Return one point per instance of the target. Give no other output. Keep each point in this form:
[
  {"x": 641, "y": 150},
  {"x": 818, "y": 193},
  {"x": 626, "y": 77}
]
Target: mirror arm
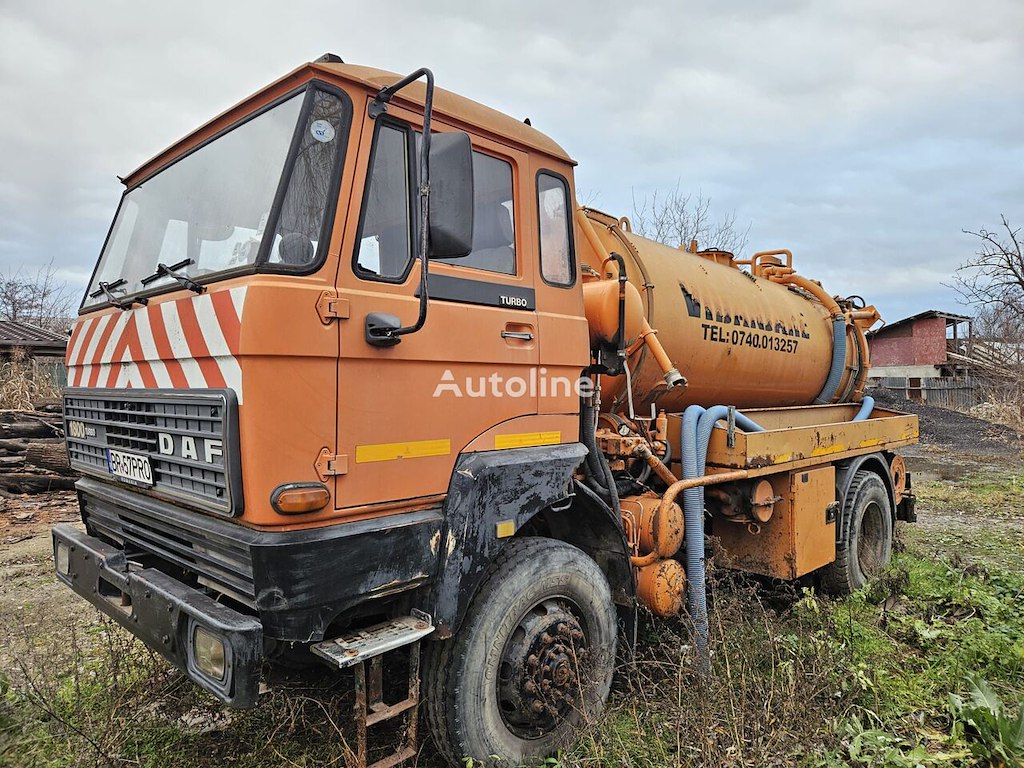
[{"x": 384, "y": 336}]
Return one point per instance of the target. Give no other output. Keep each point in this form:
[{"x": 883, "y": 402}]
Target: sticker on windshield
[{"x": 322, "y": 130}]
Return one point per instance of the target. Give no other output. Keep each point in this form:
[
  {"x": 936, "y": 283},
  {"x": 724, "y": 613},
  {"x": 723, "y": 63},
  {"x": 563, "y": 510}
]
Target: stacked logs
[{"x": 33, "y": 458}]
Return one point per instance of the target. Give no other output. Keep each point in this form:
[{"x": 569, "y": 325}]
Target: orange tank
[{"x": 738, "y": 337}]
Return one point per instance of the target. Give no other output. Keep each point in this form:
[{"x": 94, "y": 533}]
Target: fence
[{"x": 957, "y": 393}]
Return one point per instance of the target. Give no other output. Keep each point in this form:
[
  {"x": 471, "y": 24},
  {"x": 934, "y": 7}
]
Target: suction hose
[
  {"x": 693, "y": 520},
  {"x": 698, "y": 424},
  {"x": 835, "y": 371},
  {"x": 787, "y": 276},
  {"x": 867, "y": 405}
]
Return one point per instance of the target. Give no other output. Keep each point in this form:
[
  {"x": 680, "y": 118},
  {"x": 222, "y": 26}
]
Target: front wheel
[{"x": 532, "y": 662}]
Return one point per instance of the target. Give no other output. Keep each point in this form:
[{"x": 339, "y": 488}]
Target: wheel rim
[
  {"x": 871, "y": 540},
  {"x": 542, "y": 664}
]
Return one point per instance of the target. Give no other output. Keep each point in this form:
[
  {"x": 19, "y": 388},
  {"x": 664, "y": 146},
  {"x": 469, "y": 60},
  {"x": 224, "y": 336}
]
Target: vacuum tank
[{"x": 757, "y": 338}]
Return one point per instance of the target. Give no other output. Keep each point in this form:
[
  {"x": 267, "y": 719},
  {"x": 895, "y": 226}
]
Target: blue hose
[
  {"x": 835, "y": 371},
  {"x": 693, "y": 518},
  {"x": 698, "y": 424},
  {"x": 867, "y": 405},
  {"x": 707, "y": 425}
]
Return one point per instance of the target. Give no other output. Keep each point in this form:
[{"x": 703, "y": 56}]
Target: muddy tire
[
  {"x": 864, "y": 546},
  {"x": 532, "y": 662}
]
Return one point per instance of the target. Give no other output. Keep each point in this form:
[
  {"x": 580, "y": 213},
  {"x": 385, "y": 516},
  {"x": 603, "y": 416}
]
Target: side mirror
[{"x": 451, "y": 195}]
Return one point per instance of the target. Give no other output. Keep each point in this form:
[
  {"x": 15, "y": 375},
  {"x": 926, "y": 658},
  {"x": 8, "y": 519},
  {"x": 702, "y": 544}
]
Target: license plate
[{"x": 130, "y": 466}]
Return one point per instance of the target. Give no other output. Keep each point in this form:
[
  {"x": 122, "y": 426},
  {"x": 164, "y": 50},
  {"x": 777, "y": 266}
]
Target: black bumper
[
  {"x": 164, "y": 613},
  {"x": 296, "y": 582}
]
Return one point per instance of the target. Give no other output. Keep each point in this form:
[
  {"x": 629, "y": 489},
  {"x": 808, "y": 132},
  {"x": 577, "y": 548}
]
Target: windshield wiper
[
  {"x": 107, "y": 290},
  {"x": 162, "y": 270}
]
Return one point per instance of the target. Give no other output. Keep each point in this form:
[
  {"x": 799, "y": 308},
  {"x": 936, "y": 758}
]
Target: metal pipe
[
  {"x": 787, "y": 276},
  {"x": 699, "y": 482},
  {"x": 650, "y": 336},
  {"x": 672, "y": 376},
  {"x": 591, "y": 234},
  {"x": 639, "y": 561},
  {"x": 657, "y": 465}
]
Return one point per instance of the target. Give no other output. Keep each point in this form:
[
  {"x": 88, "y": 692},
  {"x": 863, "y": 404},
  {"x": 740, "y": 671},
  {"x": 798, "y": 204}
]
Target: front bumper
[{"x": 164, "y": 613}]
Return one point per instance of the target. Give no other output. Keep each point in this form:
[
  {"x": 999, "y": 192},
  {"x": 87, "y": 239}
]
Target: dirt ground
[
  {"x": 26, "y": 558},
  {"x": 32, "y": 602}
]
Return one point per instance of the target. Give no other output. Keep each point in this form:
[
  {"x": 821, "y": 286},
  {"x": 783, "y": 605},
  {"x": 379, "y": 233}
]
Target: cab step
[
  {"x": 359, "y": 646},
  {"x": 368, "y": 646}
]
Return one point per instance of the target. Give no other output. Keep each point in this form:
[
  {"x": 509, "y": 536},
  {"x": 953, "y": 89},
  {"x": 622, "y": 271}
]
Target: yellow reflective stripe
[
  {"x": 526, "y": 439},
  {"x": 417, "y": 449}
]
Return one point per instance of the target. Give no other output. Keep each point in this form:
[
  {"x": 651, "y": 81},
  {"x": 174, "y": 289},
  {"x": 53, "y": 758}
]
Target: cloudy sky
[{"x": 863, "y": 134}]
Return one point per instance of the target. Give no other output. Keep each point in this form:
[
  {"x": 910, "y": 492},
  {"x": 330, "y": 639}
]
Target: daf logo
[
  {"x": 514, "y": 301},
  {"x": 188, "y": 447}
]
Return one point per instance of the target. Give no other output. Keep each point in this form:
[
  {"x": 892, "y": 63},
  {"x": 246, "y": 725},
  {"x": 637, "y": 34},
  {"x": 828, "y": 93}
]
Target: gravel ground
[{"x": 953, "y": 431}]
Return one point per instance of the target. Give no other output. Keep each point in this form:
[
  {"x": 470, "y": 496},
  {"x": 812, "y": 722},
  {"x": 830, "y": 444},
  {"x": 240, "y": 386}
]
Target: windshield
[{"x": 209, "y": 212}]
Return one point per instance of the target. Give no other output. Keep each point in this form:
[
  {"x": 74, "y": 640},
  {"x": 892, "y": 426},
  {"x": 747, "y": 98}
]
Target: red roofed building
[{"x": 918, "y": 346}]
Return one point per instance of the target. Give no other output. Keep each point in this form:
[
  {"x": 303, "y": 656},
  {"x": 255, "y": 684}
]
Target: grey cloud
[{"x": 865, "y": 134}]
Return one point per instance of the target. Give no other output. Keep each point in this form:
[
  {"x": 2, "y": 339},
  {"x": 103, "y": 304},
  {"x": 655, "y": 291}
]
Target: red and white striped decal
[{"x": 190, "y": 343}]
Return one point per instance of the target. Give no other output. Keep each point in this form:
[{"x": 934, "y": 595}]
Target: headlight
[
  {"x": 209, "y": 653},
  {"x": 63, "y": 558}
]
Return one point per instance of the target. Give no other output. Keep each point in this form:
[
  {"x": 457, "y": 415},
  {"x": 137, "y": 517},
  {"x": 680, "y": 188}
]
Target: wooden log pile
[{"x": 33, "y": 458}]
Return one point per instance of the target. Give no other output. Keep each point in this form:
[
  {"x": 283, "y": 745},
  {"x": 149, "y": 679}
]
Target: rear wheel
[
  {"x": 864, "y": 547},
  {"x": 532, "y": 662}
]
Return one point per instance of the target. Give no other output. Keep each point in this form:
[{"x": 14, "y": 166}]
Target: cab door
[{"x": 405, "y": 412}]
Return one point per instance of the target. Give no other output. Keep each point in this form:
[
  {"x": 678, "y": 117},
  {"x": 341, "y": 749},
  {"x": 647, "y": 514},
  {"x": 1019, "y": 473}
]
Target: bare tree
[
  {"x": 40, "y": 299},
  {"x": 993, "y": 279},
  {"x": 677, "y": 218},
  {"x": 992, "y": 282}
]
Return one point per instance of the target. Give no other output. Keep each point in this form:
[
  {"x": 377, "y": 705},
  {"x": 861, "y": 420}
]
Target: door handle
[{"x": 521, "y": 335}]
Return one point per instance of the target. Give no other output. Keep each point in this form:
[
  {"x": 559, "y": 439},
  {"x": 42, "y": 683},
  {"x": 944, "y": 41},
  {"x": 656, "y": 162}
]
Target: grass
[
  {"x": 108, "y": 701},
  {"x": 924, "y": 668},
  {"x": 21, "y": 384}
]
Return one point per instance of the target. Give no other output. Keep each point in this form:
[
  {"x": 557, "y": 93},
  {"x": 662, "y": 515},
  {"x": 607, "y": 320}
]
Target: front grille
[
  {"x": 189, "y": 437},
  {"x": 217, "y": 561}
]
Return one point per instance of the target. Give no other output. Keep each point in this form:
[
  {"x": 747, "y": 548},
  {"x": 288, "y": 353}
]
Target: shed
[
  {"x": 918, "y": 346},
  {"x": 43, "y": 347}
]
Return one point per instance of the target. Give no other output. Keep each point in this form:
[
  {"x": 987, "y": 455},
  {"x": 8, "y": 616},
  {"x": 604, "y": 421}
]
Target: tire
[
  {"x": 864, "y": 546},
  {"x": 541, "y": 599}
]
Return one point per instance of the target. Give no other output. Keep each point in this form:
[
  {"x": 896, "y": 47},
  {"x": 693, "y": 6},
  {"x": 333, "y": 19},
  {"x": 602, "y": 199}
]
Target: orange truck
[{"x": 356, "y": 380}]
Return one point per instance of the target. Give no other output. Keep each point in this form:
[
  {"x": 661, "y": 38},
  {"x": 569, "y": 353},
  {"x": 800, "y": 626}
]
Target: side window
[
  {"x": 300, "y": 227},
  {"x": 384, "y": 249},
  {"x": 494, "y": 234},
  {"x": 556, "y": 258}
]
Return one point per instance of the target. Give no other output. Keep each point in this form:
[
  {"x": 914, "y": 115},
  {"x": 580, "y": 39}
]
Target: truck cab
[{"x": 250, "y": 460}]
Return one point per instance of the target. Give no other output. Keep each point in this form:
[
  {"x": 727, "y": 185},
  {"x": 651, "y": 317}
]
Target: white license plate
[{"x": 130, "y": 466}]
